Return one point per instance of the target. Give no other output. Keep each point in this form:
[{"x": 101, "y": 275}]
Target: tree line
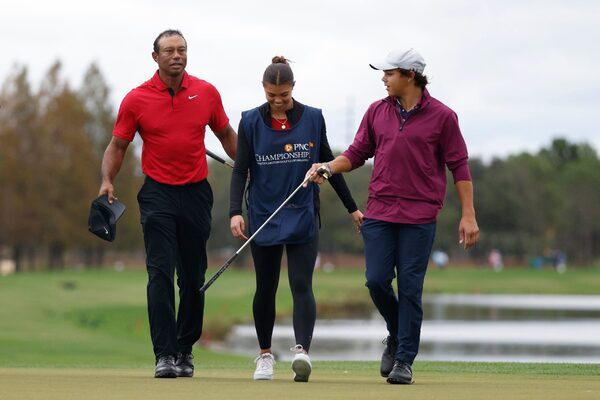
[
  {"x": 52, "y": 139},
  {"x": 51, "y": 143}
]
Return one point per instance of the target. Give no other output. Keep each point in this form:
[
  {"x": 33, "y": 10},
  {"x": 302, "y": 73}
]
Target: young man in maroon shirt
[
  {"x": 413, "y": 138},
  {"x": 170, "y": 112}
]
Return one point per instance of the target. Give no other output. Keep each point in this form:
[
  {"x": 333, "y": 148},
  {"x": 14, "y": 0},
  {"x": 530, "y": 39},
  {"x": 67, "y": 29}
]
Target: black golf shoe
[
  {"x": 185, "y": 365},
  {"x": 387, "y": 358},
  {"x": 401, "y": 374},
  {"x": 165, "y": 367}
]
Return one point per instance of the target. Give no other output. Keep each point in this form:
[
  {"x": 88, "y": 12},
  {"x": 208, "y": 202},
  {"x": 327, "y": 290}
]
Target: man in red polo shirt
[{"x": 170, "y": 112}]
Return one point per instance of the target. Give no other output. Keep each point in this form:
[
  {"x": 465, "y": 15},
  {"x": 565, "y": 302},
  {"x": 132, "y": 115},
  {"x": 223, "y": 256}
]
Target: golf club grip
[
  {"x": 323, "y": 172},
  {"x": 218, "y": 273},
  {"x": 218, "y": 158}
]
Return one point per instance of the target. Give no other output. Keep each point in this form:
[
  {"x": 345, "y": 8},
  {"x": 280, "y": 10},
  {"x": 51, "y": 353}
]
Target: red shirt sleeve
[
  {"x": 218, "y": 120},
  {"x": 126, "y": 124}
]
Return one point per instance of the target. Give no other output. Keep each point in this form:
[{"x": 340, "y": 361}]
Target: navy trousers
[
  {"x": 398, "y": 251},
  {"x": 176, "y": 221}
]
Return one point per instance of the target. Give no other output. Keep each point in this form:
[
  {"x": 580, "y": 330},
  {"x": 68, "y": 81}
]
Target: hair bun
[
  {"x": 278, "y": 72},
  {"x": 279, "y": 60}
]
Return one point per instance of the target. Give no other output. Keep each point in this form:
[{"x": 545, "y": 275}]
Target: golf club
[
  {"x": 237, "y": 253},
  {"x": 217, "y": 158}
]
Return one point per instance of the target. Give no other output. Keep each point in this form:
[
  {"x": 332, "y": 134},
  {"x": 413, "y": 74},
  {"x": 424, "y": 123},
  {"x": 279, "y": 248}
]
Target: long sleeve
[
  {"x": 363, "y": 146},
  {"x": 454, "y": 149},
  {"x": 239, "y": 174},
  {"x": 337, "y": 181}
]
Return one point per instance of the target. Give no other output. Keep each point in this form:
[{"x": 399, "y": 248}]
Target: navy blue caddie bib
[{"x": 280, "y": 160}]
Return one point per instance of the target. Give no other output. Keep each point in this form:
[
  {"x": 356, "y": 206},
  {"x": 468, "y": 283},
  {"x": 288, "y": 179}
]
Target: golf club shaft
[
  {"x": 237, "y": 253},
  {"x": 219, "y": 159}
]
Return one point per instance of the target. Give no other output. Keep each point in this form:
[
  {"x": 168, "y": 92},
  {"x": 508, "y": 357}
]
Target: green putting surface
[{"x": 358, "y": 381}]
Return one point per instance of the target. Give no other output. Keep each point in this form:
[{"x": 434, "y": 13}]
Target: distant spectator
[
  {"x": 559, "y": 261},
  {"x": 536, "y": 262},
  {"x": 439, "y": 258},
  {"x": 495, "y": 260}
]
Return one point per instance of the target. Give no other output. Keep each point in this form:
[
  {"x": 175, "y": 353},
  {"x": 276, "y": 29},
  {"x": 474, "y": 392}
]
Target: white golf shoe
[
  {"x": 301, "y": 364},
  {"x": 264, "y": 367}
]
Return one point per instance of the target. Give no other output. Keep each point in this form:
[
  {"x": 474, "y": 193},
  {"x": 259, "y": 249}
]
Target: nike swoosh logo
[{"x": 191, "y": 97}]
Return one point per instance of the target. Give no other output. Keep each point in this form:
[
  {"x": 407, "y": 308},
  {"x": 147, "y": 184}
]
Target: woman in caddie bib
[{"x": 277, "y": 143}]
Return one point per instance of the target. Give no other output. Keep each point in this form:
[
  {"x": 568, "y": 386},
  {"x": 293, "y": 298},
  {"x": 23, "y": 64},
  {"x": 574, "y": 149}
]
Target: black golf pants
[
  {"x": 301, "y": 263},
  {"x": 176, "y": 223}
]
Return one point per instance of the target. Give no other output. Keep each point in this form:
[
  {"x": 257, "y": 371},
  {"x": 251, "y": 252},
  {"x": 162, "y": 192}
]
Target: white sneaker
[
  {"x": 301, "y": 364},
  {"x": 264, "y": 367}
]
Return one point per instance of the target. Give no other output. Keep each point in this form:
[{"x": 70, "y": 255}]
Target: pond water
[{"x": 460, "y": 328}]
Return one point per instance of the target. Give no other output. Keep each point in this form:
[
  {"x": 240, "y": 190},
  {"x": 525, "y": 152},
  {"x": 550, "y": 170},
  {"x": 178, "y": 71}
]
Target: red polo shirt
[{"x": 172, "y": 128}]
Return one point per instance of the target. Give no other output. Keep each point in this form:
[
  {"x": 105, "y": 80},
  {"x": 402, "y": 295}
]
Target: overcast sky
[{"x": 518, "y": 73}]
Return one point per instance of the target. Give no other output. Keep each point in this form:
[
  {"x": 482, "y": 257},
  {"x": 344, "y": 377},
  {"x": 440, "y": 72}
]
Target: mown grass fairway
[{"x": 85, "y": 335}]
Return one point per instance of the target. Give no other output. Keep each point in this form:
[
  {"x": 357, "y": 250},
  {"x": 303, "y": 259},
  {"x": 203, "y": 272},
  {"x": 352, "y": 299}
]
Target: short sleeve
[
  {"x": 218, "y": 119},
  {"x": 126, "y": 124}
]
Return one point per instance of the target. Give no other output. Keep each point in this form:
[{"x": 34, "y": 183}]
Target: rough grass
[
  {"x": 98, "y": 318},
  {"x": 78, "y": 335},
  {"x": 513, "y": 281}
]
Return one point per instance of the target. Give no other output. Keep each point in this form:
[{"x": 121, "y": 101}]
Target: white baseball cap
[{"x": 409, "y": 59}]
